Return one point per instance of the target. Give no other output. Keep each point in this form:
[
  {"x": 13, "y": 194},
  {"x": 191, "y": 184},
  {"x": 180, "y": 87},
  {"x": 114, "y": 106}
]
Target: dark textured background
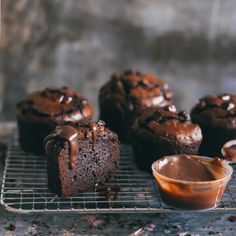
[{"x": 191, "y": 44}]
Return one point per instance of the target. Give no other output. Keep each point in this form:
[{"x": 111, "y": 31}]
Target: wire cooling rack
[{"x": 24, "y": 189}]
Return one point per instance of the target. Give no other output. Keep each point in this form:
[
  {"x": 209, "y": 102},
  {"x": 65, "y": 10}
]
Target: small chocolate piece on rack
[{"x": 109, "y": 191}]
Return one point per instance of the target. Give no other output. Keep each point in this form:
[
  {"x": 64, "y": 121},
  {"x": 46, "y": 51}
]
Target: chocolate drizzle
[
  {"x": 69, "y": 134},
  {"x": 70, "y": 131},
  {"x": 93, "y": 127}
]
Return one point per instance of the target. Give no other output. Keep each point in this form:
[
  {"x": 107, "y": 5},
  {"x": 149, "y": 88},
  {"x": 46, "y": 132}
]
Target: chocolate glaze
[
  {"x": 109, "y": 191},
  {"x": 69, "y": 134},
  {"x": 217, "y": 111},
  {"x": 70, "y": 131},
  {"x": 54, "y": 104},
  {"x": 167, "y": 122},
  {"x": 93, "y": 127}
]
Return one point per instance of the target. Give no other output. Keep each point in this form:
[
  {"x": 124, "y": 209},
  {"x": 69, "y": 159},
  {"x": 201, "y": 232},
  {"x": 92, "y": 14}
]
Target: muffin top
[
  {"x": 73, "y": 132},
  {"x": 216, "y": 111},
  {"x": 135, "y": 90},
  {"x": 54, "y": 105},
  {"x": 156, "y": 124}
]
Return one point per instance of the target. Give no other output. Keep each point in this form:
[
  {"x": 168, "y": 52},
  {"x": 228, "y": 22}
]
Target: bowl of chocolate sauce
[{"x": 191, "y": 182}]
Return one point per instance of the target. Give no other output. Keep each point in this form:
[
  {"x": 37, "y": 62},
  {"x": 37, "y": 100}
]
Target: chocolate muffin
[
  {"x": 125, "y": 95},
  {"x": 40, "y": 112},
  {"x": 79, "y": 155},
  {"x": 160, "y": 132},
  {"x": 216, "y": 115}
]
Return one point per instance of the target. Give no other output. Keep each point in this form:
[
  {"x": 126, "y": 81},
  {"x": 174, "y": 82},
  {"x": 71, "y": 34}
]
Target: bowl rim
[
  {"x": 227, "y": 144},
  {"x": 168, "y": 179}
]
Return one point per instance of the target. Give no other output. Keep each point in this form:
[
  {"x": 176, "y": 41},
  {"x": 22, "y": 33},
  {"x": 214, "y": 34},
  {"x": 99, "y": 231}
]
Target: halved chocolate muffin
[
  {"x": 164, "y": 131},
  {"x": 79, "y": 155},
  {"x": 125, "y": 95},
  {"x": 40, "y": 112},
  {"x": 216, "y": 115}
]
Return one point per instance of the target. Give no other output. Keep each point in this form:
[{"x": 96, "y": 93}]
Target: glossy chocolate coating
[
  {"x": 69, "y": 134},
  {"x": 71, "y": 131},
  {"x": 216, "y": 111},
  {"x": 191, "y": 168},
  {"x": 54, "y": 105},
  {"x": 167, "y": 123}
]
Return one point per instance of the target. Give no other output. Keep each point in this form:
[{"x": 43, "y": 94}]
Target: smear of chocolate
[{"x": 109, "y": 191}]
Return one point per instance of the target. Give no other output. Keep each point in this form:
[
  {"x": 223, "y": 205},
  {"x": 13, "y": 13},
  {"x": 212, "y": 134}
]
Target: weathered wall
[{"x": 189, "y": 43}]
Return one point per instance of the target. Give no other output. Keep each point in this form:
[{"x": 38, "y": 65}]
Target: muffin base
[
  {"x": 32, "y": 134},
  {"x": 146, "y": 152}
]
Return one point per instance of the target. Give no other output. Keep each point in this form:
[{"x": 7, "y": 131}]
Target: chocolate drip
[
  {"x": 93, "y": 127},
  {"x": 109, "y": 191},
  {"x": 69, "y": 134}
]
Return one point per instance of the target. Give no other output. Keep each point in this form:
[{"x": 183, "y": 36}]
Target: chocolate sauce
[
  {"x": 191, "y": 168},
  {"x": 69, "y": 134},
  {"x": 191, "y": 182},
  {"x": 109, "y": 191},
  {"x": 230, "y": 153},
  {"x": 93, "y": 127}
]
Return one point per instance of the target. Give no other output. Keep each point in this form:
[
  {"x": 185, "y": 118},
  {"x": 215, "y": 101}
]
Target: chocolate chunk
[
  {"x": 170, "y": 108},
  {"x": 184, "y": 115}
]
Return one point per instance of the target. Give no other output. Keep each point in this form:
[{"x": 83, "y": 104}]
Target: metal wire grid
[{"x": 24, "y": 189}]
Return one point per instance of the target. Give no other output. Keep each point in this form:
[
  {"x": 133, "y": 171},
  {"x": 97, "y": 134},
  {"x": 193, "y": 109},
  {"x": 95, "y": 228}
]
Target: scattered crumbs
[
  {"x": 211, "y": 232},
  {"x": 184, "y": 234},
  {"x": 67, "y": 233},
  {"x": 232, "y": 219},
  {"x": 11, "y": 227},
  {"x": 150, "y": 227},
  {"x": 35, "y": 222},
  {"x": 93, "y": 220},
  {"x": 89, "y": 218}
]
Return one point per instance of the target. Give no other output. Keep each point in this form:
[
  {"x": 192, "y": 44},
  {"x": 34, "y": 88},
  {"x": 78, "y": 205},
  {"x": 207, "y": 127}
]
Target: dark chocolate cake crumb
[
  {"x": 11, "y": 227},
  {"x": 232, "y": 219},
  {"x": 86, "y": 152}
]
